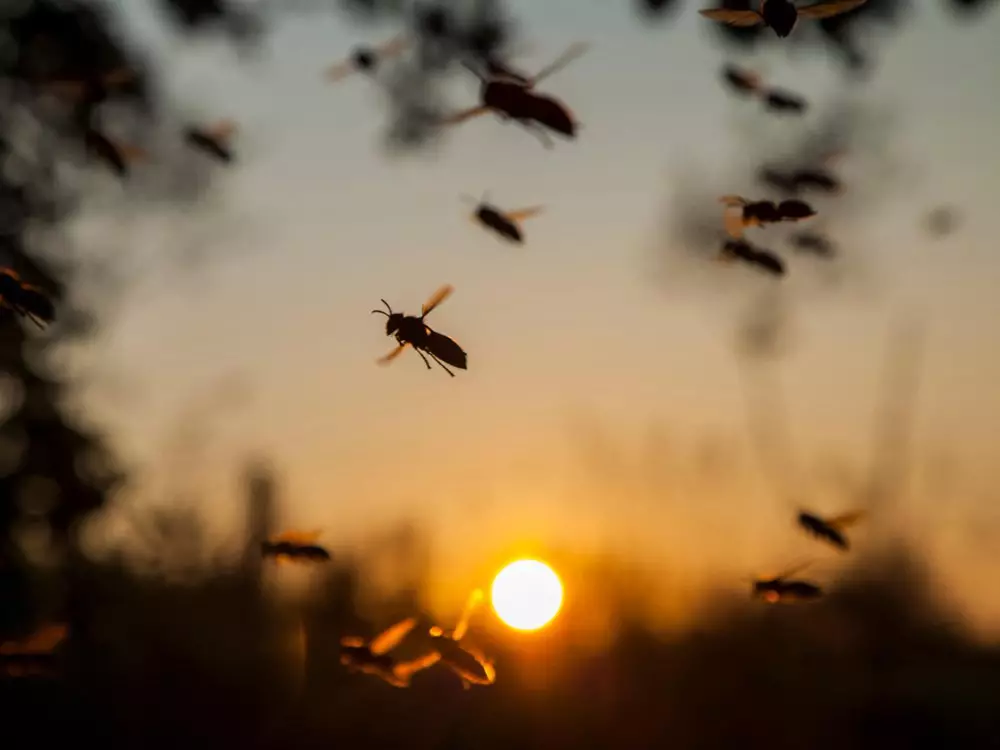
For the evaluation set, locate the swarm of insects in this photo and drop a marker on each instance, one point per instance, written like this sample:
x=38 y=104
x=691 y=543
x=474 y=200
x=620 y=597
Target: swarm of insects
x=472 y=667
x=411 y=330
x=372 y=657
x=783 y=588
x=750 y=84
x=829 y=529
x=514 y=98
x=504 y=223
x=26 y=300
x=781 y=16
x=294 y=546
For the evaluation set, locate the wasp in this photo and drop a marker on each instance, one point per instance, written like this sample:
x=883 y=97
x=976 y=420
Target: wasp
x=364 y=59
x=472 y=667
x=373 y=657
x=504 y=223
x=829 y=529
x=118 y=156
x=25 y=299
x=760 y=257
x=33 y=654
x=781 y=16
x=796 y=181
x=750 y=84
x=514 y=98
x=780 y=588
x=814 y=243
x=295 y=546
x=740 y=213
x=213 y=140
x=410 y=330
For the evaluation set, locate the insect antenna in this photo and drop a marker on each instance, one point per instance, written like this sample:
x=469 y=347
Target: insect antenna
x=383 y=312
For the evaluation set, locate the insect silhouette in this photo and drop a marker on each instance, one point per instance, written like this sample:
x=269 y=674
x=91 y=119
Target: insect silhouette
x=504 y=223
x=796 y=181
x=373 y=657
x=26 y=300
x=366 y=59
x=740 y=213
x=118 y=156
x=829 y=529
x=293 y=546
x=514 y=98
x=780 y=588
x=747 y=83
x=213 y=140
x=756 y=256
x=813 y=243
x=33 y=654
x=410 y=330
x=472 y=667
x=781 y=16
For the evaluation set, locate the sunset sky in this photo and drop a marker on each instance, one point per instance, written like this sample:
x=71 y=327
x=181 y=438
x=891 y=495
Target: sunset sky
x=603 y=404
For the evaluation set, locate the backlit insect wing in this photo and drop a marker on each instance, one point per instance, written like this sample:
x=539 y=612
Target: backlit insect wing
x=298 y=537
x=391 y=355
x=352 y=641
x=523 y=213
x=45 y=640
x=733 y=221
x=221 y=131
x=573 y=52
x=743 y=18
x=436 y=299
x=797 y=568
x=743 y=81
x=406 y=669
x=475 y=598
x=845 y=520
x=391 y=637
x=828 y=10
x=467 y=114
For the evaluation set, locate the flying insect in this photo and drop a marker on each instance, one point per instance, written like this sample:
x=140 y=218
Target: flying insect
x=213 y=140
x=829 y=529
x=33 y=654
x=366 y=59
x=26 y=300
x=373 y=658
x=472 y=667
x=781 y=16
x=293 y=546
x=756 y=256
x=740 y=213
x=813 y=243
x=411 y=330
x=513 y=98
x=796 y=181
x=747 y=83
x=118 y=156
x=780 y=588
x=504 y=223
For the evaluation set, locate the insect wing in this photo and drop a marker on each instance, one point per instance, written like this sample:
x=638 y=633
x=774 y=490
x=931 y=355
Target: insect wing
x=828 y=10
x=523 y=213
x=463 y=622
x=733 y=222
x=741 y=18
x=407 y=669
x=391 y=355
x=437 y=298
x=797 y=568
x=298 y=537
x=43 y=641
x=468 y=114
x=574 y=51
x=393 y=47
x=340 y=71
x=352 y=641
x=446 y=350
x=389 y=638
x=845 y=520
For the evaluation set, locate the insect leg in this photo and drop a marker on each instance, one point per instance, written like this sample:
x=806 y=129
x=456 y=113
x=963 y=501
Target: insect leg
x=441 y=364
x=423 y=357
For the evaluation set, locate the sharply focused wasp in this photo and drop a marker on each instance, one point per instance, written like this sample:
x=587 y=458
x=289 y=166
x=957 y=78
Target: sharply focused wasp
x=504 y=223
x=514 y=98
x=25 y=299
x=741 y=213
x=410 y=330
x=373 y=657
x=780 y=15
x=293 y=546
x=365 y=59
x=213 y=140
x=779 y=588
x=829 y=529
x=472 y=667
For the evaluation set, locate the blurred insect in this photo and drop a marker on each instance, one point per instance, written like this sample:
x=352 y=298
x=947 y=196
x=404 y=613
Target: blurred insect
x=813 y=243
x=293 y=546
x=781 y=16
x=504 y=223
x=26 y=300
x=366 y=59
x=410 y=330
x=829 y=529
x=89 y=92
x=514 y=98
x=373 y=657
x=472 y=667
x=740 y=213
x=747 y=83
x=33 y=654
x=213 y=140
x=796 y=181
x=756 y=256
x=779 y=588
x=942 y=221
x=116 y=155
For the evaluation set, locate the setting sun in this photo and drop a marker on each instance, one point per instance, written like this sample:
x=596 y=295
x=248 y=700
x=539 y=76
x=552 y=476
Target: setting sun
x=526 y=594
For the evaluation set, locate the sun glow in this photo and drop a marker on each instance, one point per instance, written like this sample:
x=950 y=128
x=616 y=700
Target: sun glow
x=526 y=595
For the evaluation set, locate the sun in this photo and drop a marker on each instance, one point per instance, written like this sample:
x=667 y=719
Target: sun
x=526 y=595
